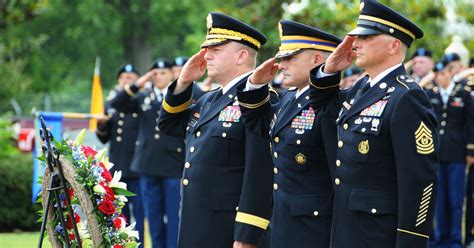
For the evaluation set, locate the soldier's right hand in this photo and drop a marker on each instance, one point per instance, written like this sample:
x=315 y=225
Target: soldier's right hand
x=101 y=119
x=193 y=70
x=427 y=79
x=342 y=57
x=145 y=78
x=265 y=72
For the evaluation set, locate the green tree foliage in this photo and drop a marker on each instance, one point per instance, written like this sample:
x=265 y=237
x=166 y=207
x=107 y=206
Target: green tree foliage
x=50 y=46
x=16 y=210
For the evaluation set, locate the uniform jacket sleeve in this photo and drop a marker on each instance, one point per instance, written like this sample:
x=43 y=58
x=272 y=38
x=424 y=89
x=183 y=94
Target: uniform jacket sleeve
x=469 y=128
x=175 y=111
x=103 y=131
x=254 y=210
x=329 y=135
x=256 y=109
x=324 y=90
x=126 y=100
x=253 y=216
x=415 y=146
x=327 y=97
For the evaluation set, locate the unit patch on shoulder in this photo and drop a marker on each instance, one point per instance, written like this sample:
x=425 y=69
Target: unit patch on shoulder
x=424 y=140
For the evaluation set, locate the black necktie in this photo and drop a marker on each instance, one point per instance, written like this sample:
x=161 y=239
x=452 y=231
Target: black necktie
x=365 y=88
x=160 y=97
x=362 y=91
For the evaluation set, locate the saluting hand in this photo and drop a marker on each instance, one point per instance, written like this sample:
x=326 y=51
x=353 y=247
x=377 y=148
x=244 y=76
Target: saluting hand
x=238 y=244
x=145 y=78
x=469 y=160
x=193 y=70
x=265 y=72
x=342 y=57
x=101 y=119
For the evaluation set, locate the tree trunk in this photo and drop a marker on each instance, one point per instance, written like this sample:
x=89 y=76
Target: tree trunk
x=136 y=44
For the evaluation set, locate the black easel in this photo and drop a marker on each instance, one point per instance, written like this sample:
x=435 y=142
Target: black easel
x=56 y=185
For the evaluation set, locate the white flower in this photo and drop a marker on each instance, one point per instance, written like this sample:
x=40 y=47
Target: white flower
x=115 y=183
x=109 y=164
x=130 y=232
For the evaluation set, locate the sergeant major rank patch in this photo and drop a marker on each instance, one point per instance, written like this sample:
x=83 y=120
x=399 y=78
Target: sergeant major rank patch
x=424 y=140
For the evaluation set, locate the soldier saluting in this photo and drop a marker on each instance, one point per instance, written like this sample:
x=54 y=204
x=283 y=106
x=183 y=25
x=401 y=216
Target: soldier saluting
x=303 y=139
x=226 y=184
x=158 y=157
x=387 y=151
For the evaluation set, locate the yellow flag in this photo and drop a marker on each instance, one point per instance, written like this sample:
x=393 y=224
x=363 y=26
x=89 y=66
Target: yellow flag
x=97 y=98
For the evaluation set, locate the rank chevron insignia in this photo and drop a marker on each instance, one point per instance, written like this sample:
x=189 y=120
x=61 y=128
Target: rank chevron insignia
x=424 y=139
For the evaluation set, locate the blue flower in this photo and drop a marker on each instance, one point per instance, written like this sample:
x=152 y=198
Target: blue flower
x=97 y=172
x=59 y=229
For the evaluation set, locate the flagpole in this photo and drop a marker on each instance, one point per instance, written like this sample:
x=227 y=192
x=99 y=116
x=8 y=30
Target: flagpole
x=71 y=115
x=97 y=99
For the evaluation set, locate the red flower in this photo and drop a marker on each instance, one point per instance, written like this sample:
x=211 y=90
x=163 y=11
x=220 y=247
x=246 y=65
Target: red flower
x=72 y=236
x=88 y=151
x=106 y=174
x=109 y=193
x=117 y=246
x=123 y=217
x=70 y=193
x=118 y=222
x=107 y=207
x=69 y=224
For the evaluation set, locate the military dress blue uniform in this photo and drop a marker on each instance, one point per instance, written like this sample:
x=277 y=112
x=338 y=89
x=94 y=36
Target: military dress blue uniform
x=158 y=159
x=385 y=177
x=456 y=131
x=469 y=86
x=226 y=192
x=120 y=131
x=303 y=142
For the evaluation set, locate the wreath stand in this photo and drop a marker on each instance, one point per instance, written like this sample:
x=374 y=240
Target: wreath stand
x=58 y=172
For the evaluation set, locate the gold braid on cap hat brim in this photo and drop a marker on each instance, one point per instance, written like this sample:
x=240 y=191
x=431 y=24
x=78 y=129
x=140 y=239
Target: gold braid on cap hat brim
x=222 y=33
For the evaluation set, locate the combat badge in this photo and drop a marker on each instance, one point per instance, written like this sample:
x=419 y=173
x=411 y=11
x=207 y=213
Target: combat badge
x=424 y=140
x=364 y=147
x=300 y=158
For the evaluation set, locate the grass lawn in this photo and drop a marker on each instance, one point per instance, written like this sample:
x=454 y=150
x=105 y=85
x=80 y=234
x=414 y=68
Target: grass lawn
x=30 y=239
x=21 y=240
